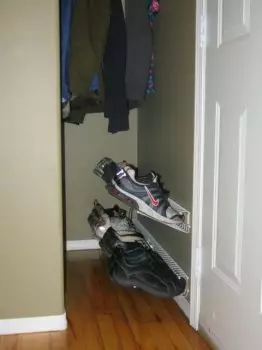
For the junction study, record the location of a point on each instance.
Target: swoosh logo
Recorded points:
(154, 201)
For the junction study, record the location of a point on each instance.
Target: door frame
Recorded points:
(198, 167)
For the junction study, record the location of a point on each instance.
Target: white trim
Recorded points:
(87, 244)
(33, 324)
(184, 305)
(200, 67)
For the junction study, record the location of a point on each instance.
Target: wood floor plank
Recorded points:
(196, 342)
(144, 311)
(130, 313)
(172, 329)
(29, 341)
(59, 340)
(116, 312)
(141, 331)
(82, 320)
(147, 316)
(9, 342)
(125, 334)
(108, 332)
(104, 316)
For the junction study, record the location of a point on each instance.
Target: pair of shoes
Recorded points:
(131, 260)
(113, 226)
(101, 220)
(144, 269)
(143, 193)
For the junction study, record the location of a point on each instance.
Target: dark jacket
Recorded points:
(88, 39)
(139, 48)
(114, 70)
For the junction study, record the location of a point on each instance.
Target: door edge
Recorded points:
(199, 115)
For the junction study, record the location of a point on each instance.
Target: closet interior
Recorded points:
(127, 83)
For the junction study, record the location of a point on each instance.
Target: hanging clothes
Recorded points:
(80, 106)
(106, 57)
(88, 38)
(90, 21)
(95, 83)
(65, 23)
(139, 48)
(114, 70)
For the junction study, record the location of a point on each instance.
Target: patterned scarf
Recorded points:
(153, 10)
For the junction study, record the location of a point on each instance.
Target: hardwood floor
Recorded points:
(104, 316)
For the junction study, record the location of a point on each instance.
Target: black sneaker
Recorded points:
(143, 193)
(136, 266)
(131, 260)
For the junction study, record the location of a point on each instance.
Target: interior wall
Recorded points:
(85, 145)
(166, 120)
(31, 250)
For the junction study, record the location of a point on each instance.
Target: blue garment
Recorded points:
(66, 15)
(95, 83)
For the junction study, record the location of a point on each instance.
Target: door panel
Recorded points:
(229, 172)
(233, 20)
(232, 258)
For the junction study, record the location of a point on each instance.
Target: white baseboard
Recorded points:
(33, 324)
(87, 244)
(184, 305)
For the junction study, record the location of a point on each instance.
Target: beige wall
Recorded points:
(166, 121)
(31, 261)
(85, 145)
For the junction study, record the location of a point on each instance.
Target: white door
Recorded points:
(232, 199)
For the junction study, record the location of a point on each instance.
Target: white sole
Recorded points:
(146, 211)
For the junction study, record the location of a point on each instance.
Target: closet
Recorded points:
(222, 137)
(160, 138)
(227, 52)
